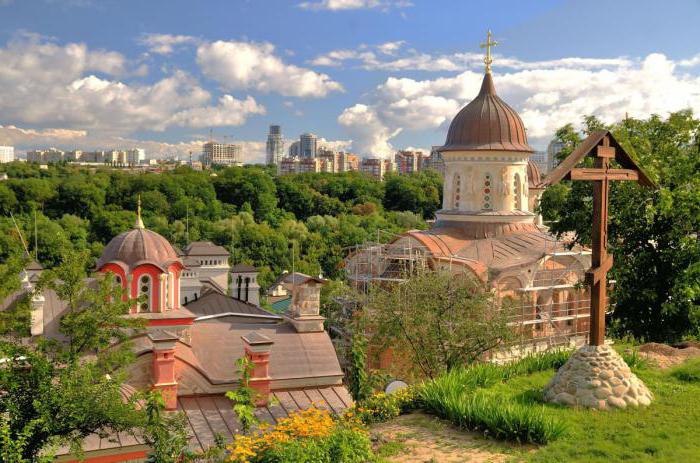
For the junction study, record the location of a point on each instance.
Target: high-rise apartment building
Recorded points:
(294, 150)
(348, 162)
(377, 167)
(541, 158)
(434, 161)
(308, 145)
(554, 148)
(275, 145)
(135, 156)
(220, 154)
(46, 156)
(408, 162)
(7, 154)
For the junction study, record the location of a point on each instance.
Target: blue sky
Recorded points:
(368, 75)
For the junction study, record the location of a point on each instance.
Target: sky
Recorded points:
(370, 76)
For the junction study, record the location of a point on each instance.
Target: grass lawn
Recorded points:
(666, 431)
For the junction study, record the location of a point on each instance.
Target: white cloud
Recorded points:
(230, 111)
(42, 83)
(370, 135)
(390, 48)
(334, 145)
(250, 65)
(337, 5)
(399, 58)
(545, 94)
(165, 44)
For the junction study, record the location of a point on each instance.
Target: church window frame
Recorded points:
(517, 198)
(456, 190)
(145, 289)
(487, 193)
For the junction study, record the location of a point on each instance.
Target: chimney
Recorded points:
(36, 303)
(305, 308)
(163, 373)
(257, 350)
(37, 314)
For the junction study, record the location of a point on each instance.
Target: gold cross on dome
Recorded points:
(489, 43)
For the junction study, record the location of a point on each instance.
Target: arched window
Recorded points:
(517, 198)
(456, 190)
(239, 282)
(145, 291)
(487, 203)
(118, 280)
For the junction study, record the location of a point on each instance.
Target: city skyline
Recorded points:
(369, 77)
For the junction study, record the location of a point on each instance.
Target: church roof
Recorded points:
(204, 248)
(487, 123)
(139, 246)
(213, 303)
(487, 247)
(243, 268)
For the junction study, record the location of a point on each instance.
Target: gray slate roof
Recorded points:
(204, 248)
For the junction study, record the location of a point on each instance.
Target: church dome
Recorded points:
(139, 246)
(534, 178)
(487, 123)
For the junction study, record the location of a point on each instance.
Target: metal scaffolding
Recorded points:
(552, 311)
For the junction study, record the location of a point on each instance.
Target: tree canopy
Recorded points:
(653, 234)
(245, 209)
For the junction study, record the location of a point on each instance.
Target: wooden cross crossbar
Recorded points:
(598, 145)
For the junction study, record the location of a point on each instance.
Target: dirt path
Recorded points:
(421, 438)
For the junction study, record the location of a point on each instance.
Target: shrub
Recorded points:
(542, 361)
(634, 360)
(381, 407)
(492, 415)
(458, 396)
(689, 371)
(310, 435)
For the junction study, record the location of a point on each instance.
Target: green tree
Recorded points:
(418, 192)
(652, 233)
(54, 393)
(252, 185)
(439, 320)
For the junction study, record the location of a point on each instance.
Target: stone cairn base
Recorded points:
(597, 377)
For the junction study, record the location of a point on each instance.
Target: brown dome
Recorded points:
(534, 178)
(139, 246)
(487, 124)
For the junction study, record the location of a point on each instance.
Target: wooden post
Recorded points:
(599, 238)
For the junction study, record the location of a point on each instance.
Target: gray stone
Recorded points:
(565, 399)
(597, 377)
(617, 402)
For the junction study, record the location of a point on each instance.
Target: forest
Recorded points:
(261, 218)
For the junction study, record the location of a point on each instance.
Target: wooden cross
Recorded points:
(489, 43)
(602, 147)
